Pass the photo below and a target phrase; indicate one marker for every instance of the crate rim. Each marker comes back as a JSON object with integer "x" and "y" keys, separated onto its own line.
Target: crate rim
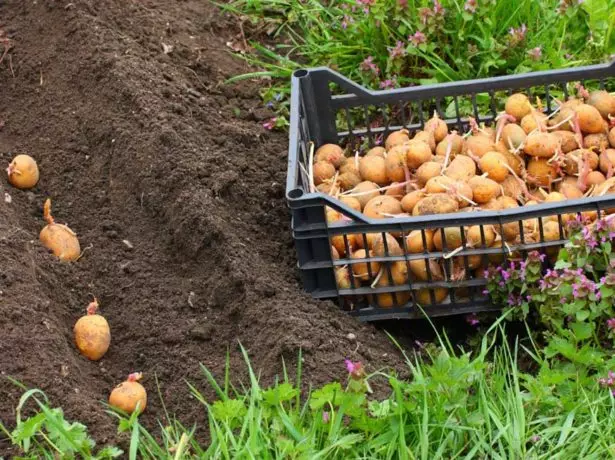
{"x": 299, "y": 198}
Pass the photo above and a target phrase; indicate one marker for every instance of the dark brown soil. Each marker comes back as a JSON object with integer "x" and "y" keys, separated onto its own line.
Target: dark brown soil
{"x": 135, "y": 145}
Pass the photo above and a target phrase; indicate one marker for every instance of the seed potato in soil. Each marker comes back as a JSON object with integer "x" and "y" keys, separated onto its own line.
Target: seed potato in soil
{"x": 178, "y": 204}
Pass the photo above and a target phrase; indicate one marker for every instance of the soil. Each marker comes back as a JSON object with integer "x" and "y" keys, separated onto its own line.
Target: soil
{"x": 177, "y": 195}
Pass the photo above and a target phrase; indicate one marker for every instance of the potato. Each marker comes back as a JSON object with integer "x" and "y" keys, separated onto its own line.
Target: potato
{"x": 611, "y": 137}
{"x": 376, "y": 152}
{"x": 605, "y": 157}
{"x": 428, "y": 137}
{"x": 330, "y": 153}
{"x": 515, "y": 161}
{"x": 92, "y": 334}
{"x": 462, "y": 168}
{"x": 360, "y": 239}
{"x": 392, "y": 246}
{"x": 351, "y": 202}
{"x": 350, "y": 166}
{"x": 373, "y": 169}
{"x": 542, "y": 145}
{"x": 474, "y": 236}
{"x": 348, "y": 180}
{"x": 415, "y": 242}
{"x": 568, "y": 141}
{"x": 334, "y": 254}
{"x": 603, "y": 102}
{"x": 534, "y": 121}
{"x": 390, "y": 299}
{"x": 417, "y": 153}
{"x": 399, "y": 272}
{"x": 365, "y": 191}
{"x": 323, "y": 171}
{"x": 439, "y": 184}
{"x": 506, "y": 202}
{"x": 563, "y": 119}
{"x": 457, "y": 145}
{"x": 572, "y": 160}
{"x": 511, "y": 187}
{"x": 423, "y": 296}
{"x": 596, "y": 142}
{"x": 409, "y": 201}
{"x": 426, "y": 271}
{"x": 570, "y": 188}
{"x": 339, "y": 243}
{"x": 518, "y": 105}
{"x": 439, "y": 203}
{"x": 395, "y": 164}
{"x": 484, "y": 189}
{"x": 477, "y": 145}
{"x": 437, "y": 126}
{"x": 590, "y": 120}
{"x": 58, "y": 238}
{"x": 396, "y": 138}
{"x": 495, "y": 165}
{"x": 595, "y": 178}
{"x": 364, "y": 270}
{"x": 513, "y": 135}
{"x": 381, "y": 206}
{"x": 541, "y": 172}
{"x": 451, "y": 240}
{"x": 396, "y": 190}
{"x": 129, "y": 396}
{"x": 23, "y": 172}
{"x": 342, "y": 278}
{"x": 426, "y": 171}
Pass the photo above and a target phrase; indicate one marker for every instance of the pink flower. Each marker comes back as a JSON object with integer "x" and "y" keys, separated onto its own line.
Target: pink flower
{"x": 325, "y": 417}
{"x": 388, "y": 84}
{"x": 517, "y": 35}
{"x": 472, "y": 319}
{"x": 355, "y": 370}
{"x": 535, "y": 53}
{"x": 398, "y": 51}
{"x": 611, "y": 323}
{"x": 270, "y": 124}
{"x": 417, "y": 38}
{"x": 471, "y": 6}
{"x": 437, "y": 8}
{"x": 369, "y": 66}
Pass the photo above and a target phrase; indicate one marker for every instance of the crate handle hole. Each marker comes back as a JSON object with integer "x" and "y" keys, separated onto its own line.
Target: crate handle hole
{"x": 300, "y": 73}
{"x": 295, "y": 193}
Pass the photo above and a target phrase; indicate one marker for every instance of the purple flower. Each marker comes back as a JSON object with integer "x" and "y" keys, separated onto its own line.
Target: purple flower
{"x": 369, "y": 66}
{"x": 417, "y": 38}
{"x": 535, "y": 438}
{"x": 325, "y": 417}
{"x": 535, "y": 53}
{"x": 611, "y": 323}
{"x": 485, "y": 292}
{"x": 354, "y": 369}
{"x": 437, "y": 8}
{"x": 388, "y": 84}
{"x": 402, "y": 3}
{"x": 270, "y": 124}
{"x": 470, "y": 6}
{"x": 528, "y": 298}
{"x": 398, "y": 51}
{"x": 472, "y": 319}
{"x": 505, "y": 275}
{"x": 517, "y": 35}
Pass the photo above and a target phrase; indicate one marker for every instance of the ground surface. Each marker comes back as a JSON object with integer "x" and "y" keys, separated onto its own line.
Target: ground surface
{"x": 138, "y": 145}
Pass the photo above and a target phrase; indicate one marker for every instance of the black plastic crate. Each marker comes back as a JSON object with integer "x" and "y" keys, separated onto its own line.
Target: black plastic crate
{"x": 328, "y": 108}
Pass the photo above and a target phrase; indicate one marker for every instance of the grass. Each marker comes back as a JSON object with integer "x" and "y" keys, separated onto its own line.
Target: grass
{"x": 466, "y": 40}
{"x": 456, "y": 405}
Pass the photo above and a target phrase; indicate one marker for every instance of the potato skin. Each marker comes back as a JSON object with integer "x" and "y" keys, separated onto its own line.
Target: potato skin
{"x": 61, "y": 241}
{"x": 438, "y": 203}
{"x": 28, "y": 172}
{"x": 127, "y": 395}
{"x": 92, "y": 336}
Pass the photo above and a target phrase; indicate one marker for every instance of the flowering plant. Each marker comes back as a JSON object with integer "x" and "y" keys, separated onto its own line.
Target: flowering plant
{"x": 572, "y": 300}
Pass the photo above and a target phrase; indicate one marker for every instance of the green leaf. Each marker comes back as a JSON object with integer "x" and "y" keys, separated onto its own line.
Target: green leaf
{"x": 379, "y": 409}
{"x": 561, "y": 264}
{"x": 279, "y": 394}
{"x": 27, "y": 429}
{"x": 582, "y": 331}
{"x": 324, "y": 395}
{"x": 226, "y": 411}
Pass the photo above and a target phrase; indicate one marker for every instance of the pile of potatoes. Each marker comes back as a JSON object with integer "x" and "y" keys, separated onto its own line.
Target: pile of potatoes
{"x": 527, "y": 157}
